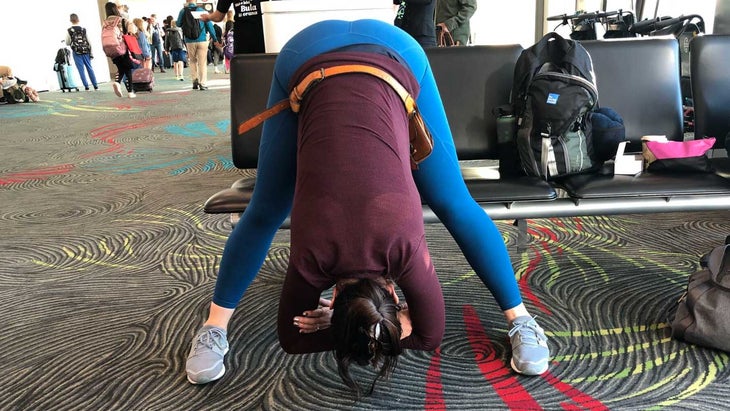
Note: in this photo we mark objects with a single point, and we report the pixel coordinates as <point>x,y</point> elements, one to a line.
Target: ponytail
<point>366,329</point>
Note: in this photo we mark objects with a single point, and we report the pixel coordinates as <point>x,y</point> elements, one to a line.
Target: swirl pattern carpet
<point>107,265</point>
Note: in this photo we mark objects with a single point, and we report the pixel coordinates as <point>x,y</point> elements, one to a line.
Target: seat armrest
<point>231,200</point>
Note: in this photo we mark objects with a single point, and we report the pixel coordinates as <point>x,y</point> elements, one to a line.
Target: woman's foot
<point>205,360</point>
<point>530,353</point>
<point>117,88</point>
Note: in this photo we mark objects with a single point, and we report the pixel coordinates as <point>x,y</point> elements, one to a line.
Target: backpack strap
<point>310,80</point>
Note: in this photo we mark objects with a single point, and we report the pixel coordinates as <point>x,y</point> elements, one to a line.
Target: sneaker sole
<point>512,364</point>
<point>217,377</point>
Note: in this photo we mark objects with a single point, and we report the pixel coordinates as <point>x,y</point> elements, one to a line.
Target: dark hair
<point>366,329</point>
<point>111,9</point>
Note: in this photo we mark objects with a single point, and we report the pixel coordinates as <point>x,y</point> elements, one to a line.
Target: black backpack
<point>62,57</point>
<point>553,94</point>
<point>79,42</point>
<point>190,25</point>
<point>15,94</point>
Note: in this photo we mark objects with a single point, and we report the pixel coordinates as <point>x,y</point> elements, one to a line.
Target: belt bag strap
<point>297,94</point>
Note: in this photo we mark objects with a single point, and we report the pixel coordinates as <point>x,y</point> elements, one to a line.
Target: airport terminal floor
<point>106,253</point>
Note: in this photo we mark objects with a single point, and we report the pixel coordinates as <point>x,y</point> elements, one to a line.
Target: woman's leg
<point>128,74</point>
<point>248,244</point>
<point>441,184</point>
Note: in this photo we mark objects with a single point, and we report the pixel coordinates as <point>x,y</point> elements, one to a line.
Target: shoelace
<point>530,334</point>
<point>208,340</point>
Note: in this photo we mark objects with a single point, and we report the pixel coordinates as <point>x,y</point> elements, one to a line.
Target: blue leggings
<point>438,178</point>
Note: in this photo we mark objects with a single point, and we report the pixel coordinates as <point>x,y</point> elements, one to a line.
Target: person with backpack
<point>438,179</point>
<point>115,48</point>
<point>195,33</point>
<point>175,46</point>
<point>81,48</point>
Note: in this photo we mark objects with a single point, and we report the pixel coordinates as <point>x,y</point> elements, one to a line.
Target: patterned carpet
<point>107,265</point>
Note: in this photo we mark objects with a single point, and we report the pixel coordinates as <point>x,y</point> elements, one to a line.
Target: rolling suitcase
<point>64,72</point>
<point>143,79</point>
<point>166,61</point>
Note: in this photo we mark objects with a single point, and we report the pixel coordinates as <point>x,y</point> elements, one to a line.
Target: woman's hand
<point>312,321</point>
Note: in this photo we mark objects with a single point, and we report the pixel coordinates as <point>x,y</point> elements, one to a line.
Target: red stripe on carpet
<point>493,369</point>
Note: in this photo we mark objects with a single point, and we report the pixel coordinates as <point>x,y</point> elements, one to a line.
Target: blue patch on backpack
<point>552,98</point>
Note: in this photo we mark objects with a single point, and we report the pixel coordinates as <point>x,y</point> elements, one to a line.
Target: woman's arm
<point>425,301</point>
<point>298,296</point>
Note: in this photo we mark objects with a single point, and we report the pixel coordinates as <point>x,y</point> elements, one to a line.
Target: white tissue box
<point>629,164</point>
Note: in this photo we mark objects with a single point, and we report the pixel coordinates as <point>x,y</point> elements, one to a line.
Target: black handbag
<point>703,311</point>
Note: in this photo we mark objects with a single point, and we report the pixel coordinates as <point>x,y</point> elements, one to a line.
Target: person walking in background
<point>123,62</point>
<point>228,40</point>
<point>415,17</point>
<point>175,46</point>
<point>144,44</point>
<point>228,48</point>
<point>248,25</point>
<point>81,48</point>
<point>197,46</point>
<point>216,49</point>
<point>452,16</point>
<point>157,35</point>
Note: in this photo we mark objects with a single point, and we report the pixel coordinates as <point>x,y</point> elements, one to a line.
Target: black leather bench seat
<point>639,78</point>
<point>509,190</point>
<point>645,185</point>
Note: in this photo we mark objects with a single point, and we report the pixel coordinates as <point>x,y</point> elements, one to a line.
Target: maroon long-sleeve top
<point>356,211</point>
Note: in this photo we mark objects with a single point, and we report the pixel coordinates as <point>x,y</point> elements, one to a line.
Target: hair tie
<point>377,330</point>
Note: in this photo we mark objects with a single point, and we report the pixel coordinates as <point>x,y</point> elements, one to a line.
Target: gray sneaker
<point>530,353</point>
<point>205,360</point>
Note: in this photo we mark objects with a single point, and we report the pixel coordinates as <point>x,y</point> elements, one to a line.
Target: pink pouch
<point>680,149</point>
<point>678,156</point>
